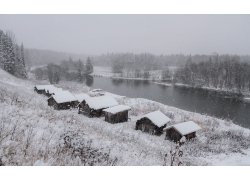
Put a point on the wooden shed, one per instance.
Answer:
(63, 100)
(177, 131)
(40, 88)
(94, 105)
(117, 114)
(152, 123)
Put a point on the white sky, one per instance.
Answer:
(157, 34)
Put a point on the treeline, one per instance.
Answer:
(12, 57)
(224, 71)
(151, 61)
(41, 57)
(67, 70)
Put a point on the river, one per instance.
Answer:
(194, 100)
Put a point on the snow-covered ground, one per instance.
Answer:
(32, 133)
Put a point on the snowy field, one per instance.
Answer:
(32, 133)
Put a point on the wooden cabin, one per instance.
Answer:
(117, 114)
(51, 100)
(94, 106)
(186, 129)
(63, 100)
(152, 123)
(40, 88)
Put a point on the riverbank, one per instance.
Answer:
(47, 133)
(223, 92)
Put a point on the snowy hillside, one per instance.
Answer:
(32, 133)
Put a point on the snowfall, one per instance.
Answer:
(33, 133)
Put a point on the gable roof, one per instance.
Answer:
(116, 109)
(101, 102)
(55, 90)
(48, 88)
(64, 96)
(158, 118)
(81, 97)
(42, 87)
(185, 127)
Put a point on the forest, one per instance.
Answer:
(224, 72)
(12, 58)
(67, 70)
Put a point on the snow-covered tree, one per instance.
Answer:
(89, 67)
(22, 72)
(1, 49)
(80, 73)
(8, 54)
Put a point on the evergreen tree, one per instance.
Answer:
(89, 67)
(1, 50)
(17, 67)
(22, 72)
(80, 73)
(9, 55)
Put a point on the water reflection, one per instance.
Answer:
(116, 82)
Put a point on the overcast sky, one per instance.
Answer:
(157, 34)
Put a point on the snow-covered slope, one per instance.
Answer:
(32, 133)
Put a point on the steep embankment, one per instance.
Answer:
(31, 133)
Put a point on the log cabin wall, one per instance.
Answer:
(145, 125)
(190, 135)
(172, 134)
(90, 112)
(116, 118)
(51, 101)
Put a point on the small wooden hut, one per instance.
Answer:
(94, 106)
(152, 123)
(177, 131)
(117, 114)
(40, 88)
(63, 100)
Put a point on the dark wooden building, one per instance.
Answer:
(177, 131)
(152, 123)
(93, 106)
(117, 114)
(40, 88)
(63, 100)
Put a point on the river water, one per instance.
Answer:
(200, 101)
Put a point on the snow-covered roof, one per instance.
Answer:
(185, 127)
(81, 97)
(101, 102)
(64, 96)
(42, 87)
(116, 109)
(158, 118)
(49, 88)
(55, 90)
